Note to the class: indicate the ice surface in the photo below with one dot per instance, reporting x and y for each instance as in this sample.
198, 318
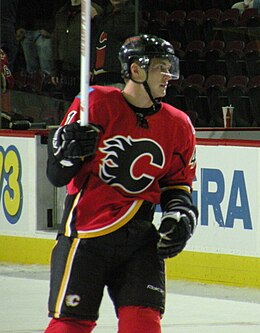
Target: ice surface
191, 307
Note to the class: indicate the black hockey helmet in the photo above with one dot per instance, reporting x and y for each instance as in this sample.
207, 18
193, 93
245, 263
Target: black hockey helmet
143, 48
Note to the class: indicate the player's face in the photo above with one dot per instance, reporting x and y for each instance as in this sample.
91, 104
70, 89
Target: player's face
159, 76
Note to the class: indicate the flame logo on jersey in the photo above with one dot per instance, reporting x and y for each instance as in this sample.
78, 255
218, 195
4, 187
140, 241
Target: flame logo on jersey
131, 164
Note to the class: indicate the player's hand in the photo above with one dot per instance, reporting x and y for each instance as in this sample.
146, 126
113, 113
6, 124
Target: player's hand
73, 142
175, 230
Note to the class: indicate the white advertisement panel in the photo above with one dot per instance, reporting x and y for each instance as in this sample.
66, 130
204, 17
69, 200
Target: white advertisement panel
26, 195
227, 194
17, 184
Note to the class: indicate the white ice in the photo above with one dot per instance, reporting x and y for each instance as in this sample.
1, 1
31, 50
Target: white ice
191, 307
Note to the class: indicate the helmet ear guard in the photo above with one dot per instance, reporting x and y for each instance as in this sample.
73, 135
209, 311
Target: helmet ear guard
142, 49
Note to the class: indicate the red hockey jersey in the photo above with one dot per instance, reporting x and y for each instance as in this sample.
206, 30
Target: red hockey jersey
132, 164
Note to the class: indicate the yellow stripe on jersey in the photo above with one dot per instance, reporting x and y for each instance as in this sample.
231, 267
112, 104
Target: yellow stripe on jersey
116, 225
69, 219
66, 277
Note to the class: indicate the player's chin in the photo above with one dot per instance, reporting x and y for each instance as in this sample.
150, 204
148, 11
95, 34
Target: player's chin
162, 91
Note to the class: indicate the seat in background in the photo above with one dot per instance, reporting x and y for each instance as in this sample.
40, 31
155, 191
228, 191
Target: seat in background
234, 58
228, 24
175, 26
214, 58
174, 95
211, 21
252, 58
194, 57
215, 90
238, 98
250, 23
250, 18
193, 25
192, 88
254, 98
157, 25
193, 91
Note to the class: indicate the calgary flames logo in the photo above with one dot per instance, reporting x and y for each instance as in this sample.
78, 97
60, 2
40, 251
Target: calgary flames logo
131, 164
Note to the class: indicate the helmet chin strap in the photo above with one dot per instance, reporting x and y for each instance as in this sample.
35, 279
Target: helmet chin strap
155, 101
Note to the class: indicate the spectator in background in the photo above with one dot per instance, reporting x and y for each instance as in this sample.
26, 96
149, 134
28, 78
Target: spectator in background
7, 79
66, 43
35, 23
7, 82
243, 5
8, 38
109, 31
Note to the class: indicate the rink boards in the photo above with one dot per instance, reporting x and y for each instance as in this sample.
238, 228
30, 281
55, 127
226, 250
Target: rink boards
225, 248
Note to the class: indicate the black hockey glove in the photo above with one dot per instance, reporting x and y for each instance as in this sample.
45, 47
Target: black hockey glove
176, 229
72, 143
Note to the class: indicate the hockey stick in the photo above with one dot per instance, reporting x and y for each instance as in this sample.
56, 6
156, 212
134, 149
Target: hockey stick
84, 60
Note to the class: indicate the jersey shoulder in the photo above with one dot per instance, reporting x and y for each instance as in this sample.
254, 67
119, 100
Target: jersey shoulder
177, 117
98, 91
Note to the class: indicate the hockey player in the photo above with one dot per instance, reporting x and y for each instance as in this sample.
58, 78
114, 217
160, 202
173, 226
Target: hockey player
135, 153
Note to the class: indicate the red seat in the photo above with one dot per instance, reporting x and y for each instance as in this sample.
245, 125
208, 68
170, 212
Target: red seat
179, 52
174, 95
177, 15
254, 82
234, 49
234, 57
238, 98
195, 80
215, 90
254, 97
211, 20
194, 59
192, 88
175, 25
160, 16
213, 14
252, 57
229, 21
214, 58
230, 17
250, 18
193, 25
217, 82
238, 81
157, 25
214, 48
195, 49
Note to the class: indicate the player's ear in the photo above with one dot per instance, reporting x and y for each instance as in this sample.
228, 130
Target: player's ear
138, 73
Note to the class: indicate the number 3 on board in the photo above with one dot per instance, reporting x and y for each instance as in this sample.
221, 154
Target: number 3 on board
10, 183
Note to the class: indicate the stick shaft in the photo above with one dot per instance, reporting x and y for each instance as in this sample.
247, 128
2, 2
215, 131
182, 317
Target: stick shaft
84, 61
